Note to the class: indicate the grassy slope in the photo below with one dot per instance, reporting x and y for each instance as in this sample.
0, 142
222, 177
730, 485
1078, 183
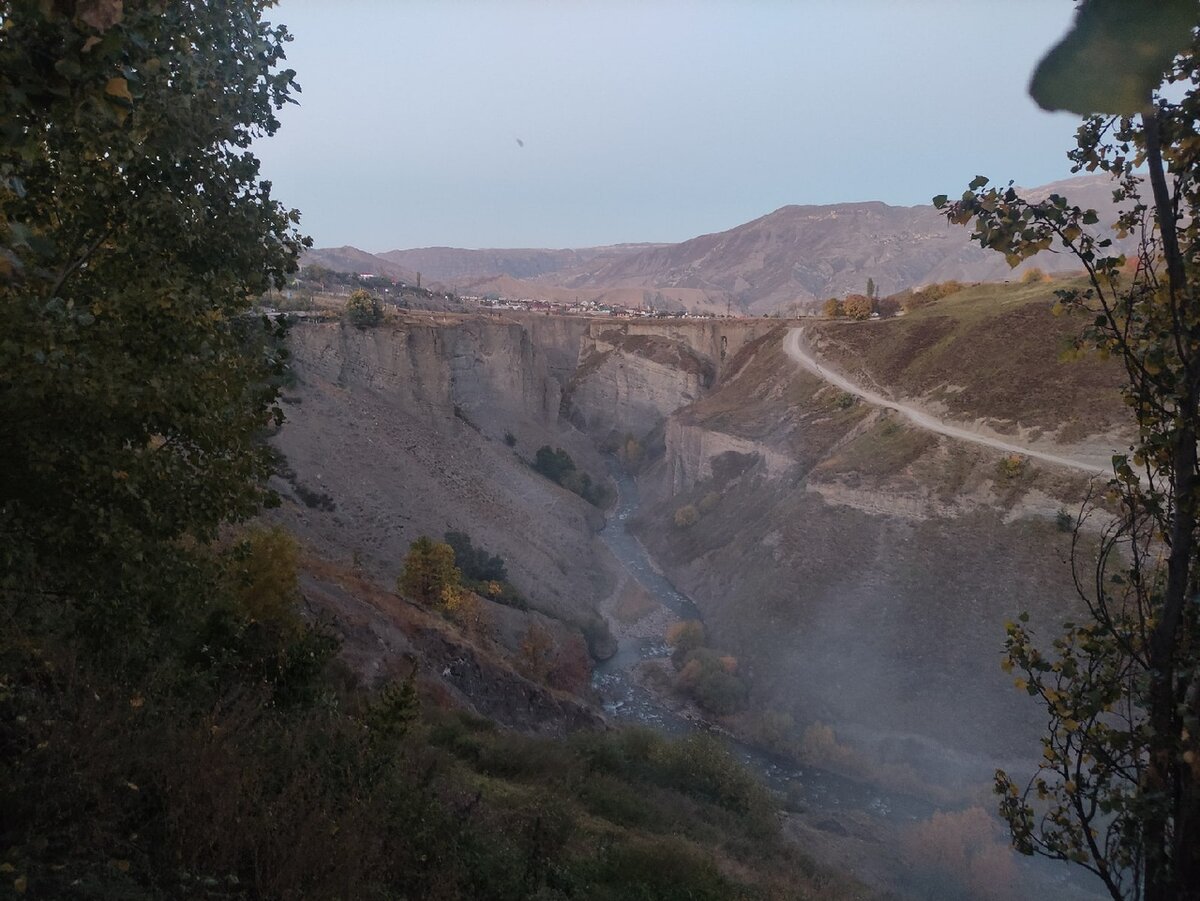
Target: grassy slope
991, 350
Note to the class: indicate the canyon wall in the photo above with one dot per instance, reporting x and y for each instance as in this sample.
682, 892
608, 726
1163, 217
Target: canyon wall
861, 569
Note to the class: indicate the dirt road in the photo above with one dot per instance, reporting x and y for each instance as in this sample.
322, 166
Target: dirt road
797, 348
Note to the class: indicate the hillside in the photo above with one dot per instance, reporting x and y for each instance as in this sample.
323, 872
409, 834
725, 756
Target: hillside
450, 264
796, 255
351, 259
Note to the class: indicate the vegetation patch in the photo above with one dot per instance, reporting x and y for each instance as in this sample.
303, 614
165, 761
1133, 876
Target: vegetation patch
707, 676
556, 465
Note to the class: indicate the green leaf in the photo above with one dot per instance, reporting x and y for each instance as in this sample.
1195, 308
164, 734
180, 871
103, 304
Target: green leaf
1114, 56
978, 182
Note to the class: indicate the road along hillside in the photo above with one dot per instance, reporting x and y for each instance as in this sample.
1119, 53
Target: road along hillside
798, 349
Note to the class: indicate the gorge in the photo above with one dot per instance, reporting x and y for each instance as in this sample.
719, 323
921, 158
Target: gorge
859, 568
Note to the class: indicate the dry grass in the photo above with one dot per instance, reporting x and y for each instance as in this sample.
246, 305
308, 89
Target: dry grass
966, 849
991, 350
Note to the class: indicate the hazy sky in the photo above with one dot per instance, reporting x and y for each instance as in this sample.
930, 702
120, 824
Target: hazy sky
648, 121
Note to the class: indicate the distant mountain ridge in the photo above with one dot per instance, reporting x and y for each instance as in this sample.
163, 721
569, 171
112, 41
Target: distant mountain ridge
794, 256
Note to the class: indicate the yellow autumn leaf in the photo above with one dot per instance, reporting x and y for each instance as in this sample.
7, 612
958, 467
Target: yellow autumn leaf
20, 884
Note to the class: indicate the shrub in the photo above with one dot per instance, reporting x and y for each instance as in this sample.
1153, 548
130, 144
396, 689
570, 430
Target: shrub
553, 463
475, 563
1064, 521
572, 667
429, 571
964, 847
1011, 466
363, 309
262, 576
686, 517
889, 306
510, 439
462, 607
631, 452
708, 678
709, 501
939, 290
556, 465
535, 653
833, 308
1034, 274
684, 637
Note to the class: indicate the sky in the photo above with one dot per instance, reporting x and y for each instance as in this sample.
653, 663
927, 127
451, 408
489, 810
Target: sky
572, 123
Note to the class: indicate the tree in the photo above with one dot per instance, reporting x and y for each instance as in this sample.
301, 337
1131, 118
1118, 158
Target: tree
135, 233
858, 306
553, 463
429, 571
833, 308
871, 288
363, 309
1118, 791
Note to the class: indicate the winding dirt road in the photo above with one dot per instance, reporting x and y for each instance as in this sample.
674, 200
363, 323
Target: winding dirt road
797, 348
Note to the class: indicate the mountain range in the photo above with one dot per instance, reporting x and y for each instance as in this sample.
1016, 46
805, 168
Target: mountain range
794, 257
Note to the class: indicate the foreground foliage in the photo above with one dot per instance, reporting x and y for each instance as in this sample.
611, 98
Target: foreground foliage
1119, 789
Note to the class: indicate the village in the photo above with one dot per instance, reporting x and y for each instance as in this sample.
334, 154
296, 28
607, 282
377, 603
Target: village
579, 308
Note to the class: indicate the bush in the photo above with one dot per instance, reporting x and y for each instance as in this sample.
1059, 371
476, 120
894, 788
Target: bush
1011, 466
475, 563
833, 308
709, 679
686, 517
939, 290
965, 848
261, 574
684, 637
553, 463
556, 465
429, 571
631, 452
510, 439
363, 309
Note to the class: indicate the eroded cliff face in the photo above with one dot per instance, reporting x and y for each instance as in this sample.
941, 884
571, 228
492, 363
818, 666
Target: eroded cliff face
492, 372
425, 425
632, 376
